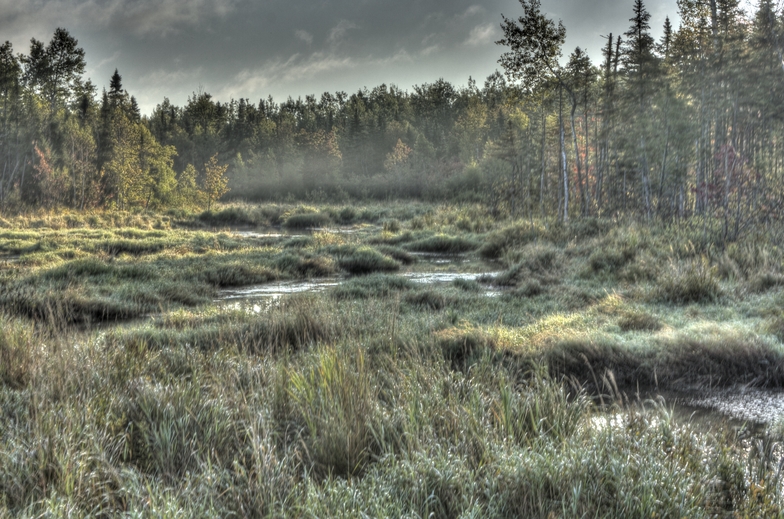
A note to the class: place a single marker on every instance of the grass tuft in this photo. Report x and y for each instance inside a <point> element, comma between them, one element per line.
<point>692,282</point>
<point>443,244</point>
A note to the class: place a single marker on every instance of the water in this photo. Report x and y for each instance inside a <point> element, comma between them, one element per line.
<point>269,293</point>
<point>279,289</point>
<point>758,406</point>
<point>441,259</point>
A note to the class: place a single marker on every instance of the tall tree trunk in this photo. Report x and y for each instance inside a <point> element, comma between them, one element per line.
<point>544,161</point>
<point>564,172</point>
<point>580,186</point>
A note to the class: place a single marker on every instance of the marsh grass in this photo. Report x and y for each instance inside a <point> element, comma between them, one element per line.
<point>17,350</point>
<point>694,281</point>
<point>442,244</point>
<point>364,260</point>
<point>379,397</point>
<point>639,321</point>
<point>306,221</point>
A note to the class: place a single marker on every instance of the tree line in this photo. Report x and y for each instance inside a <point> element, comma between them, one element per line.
<point>689,125</point>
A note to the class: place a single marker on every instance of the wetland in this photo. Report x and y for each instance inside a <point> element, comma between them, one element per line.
<point>404,364</point>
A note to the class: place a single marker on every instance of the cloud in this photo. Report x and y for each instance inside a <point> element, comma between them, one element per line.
<point>481,35</point>
<point>107,60</point>
<point>139,17</point>
<point>473,10</point>
<point>304,36</point>
<point>427,51</point>
<point>339,31</point>
<point>299,69</point>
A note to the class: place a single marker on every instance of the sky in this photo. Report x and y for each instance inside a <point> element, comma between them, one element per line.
<point>257,48</point>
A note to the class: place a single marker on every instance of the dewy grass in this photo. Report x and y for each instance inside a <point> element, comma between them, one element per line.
<point>442,244</point>
<point>378,397</point>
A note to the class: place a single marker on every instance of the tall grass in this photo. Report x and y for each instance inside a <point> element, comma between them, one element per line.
<point>379,397</point>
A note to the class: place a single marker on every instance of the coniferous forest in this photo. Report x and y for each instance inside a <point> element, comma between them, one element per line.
<point>557,292</point>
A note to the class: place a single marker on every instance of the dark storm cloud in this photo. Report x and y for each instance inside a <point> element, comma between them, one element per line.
<point>244,48</point>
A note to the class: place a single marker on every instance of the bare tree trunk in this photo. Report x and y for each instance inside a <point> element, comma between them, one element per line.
<point>564,173</point>
<point>577,160</point>
<point>544,162</point>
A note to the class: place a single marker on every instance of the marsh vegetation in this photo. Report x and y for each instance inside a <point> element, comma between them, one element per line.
<point>145,371</point>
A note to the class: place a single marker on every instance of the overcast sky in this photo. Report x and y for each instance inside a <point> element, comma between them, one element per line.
<point>252,49</point>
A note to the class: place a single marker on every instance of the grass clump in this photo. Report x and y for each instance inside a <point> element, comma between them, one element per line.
<point>336,400</point>
<point>639,321</point>
<point>765,281</point>
<point>692,282</point>
<point>429,299</point>
<point>230,216</point>
<point>17,345</point>
<point>467,285</point>
<point>443,244</point>
<point>374,285</point>
<point>306,221</point>
<point>397,253</point>
<point>610,260</point>
<point>497,243</point>
<point>365,260</point>
<point>463,346</point>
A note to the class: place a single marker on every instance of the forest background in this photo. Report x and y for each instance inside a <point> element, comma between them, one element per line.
<point>689,126</point>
